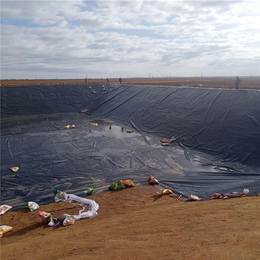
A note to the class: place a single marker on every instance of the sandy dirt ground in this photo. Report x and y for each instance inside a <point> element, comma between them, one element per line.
<point>136,224</point>
<point>219,82</point>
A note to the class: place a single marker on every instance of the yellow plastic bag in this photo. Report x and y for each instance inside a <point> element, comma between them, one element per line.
<point>4,229</point>
<point>127,183</point>
<point>69,126</point>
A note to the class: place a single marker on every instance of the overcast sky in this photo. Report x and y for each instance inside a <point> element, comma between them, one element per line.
<point>72,39</point>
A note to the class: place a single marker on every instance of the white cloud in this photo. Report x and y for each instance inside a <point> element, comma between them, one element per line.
<point>107,38</point>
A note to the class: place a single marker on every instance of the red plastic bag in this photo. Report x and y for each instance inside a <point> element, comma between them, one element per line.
<point>152,180</point>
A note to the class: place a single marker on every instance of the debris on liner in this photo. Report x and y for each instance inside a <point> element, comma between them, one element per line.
<point>69,126</point>
<point>83,111</point>
<point>32,206</point>
<point>44,215</point>
<point>4,229</point>
<point>167,142</point>
<point>179,197</point>
<point>229,195</point>
<point>164,192</point>
<point>152,180</point>
<point>4,208</point>
<point>117,185</point>
<point>14,169</point>
<point>129,131</point>
<point>194,198</point>
<point>67,219</point>
<point>89,191</point>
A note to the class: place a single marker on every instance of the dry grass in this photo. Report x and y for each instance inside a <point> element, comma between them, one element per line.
<point>218,82</point>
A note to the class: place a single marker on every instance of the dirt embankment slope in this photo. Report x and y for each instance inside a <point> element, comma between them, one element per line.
<point>135,224</point>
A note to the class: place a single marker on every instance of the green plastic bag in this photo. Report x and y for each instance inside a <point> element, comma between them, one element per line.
<point>89,191</point>
<point>116,185</point>
<point>113,186</point>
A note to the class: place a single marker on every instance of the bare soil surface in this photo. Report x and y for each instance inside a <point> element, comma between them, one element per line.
<point>218,82</point>
<point>136,224</point>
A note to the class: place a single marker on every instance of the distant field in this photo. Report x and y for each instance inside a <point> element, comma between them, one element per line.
<point>218,82</point>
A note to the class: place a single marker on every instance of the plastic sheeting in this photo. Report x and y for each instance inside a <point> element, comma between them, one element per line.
<point>92,206</point>
<point>217,147</point>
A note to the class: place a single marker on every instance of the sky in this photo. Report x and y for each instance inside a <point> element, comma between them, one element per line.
<point>99,39</point>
